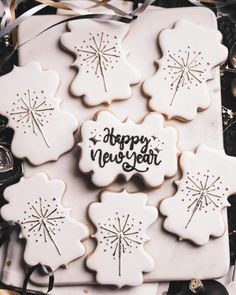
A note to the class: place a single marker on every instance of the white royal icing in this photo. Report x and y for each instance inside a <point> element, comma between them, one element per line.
<point>104,73</point>
<point>110,148</point>
<point>42,130</point>
<point>52,237</point>
<point>121,220</point>
<point>195,211</point>
<point>179,87</point>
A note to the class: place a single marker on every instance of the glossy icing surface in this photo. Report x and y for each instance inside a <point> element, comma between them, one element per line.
<point>53,238</point>
<point>179,88</point>
<point>110,148</point>
<point>195,211</point>
<point>35,114</point>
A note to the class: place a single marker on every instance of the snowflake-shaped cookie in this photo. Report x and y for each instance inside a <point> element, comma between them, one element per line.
<point>121,220</point>
<point>110,148</point>
<point>52,237</point>
<point>179,87</point>
<point>104,73</point>
<point>42,130</point>
<point>195,211</point>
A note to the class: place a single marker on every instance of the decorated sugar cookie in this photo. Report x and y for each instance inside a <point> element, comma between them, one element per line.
<point>110,148</point>
<point>52,237</point>
<point>121,220</point>
<point>195,211</point>
<point>179,87</point>
<point>42,130</point>
<point>104,74</point>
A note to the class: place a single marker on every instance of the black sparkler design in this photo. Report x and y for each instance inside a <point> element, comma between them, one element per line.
<point>43,221</point>
<point>99,55</point>
<point>186,69</point>
<point>95,139</point>
<point>32,113</point>
<point>206,193</point>
<point>120,237</point>
<point>157,143</point>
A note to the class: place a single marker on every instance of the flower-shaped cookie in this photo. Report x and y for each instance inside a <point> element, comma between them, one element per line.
<point>42,130</point>
<point>110,148</point>
<point>195,211</point>
<point>179,87</point>
<point>104,74</point>
<point>122,220</point>
<point>52,237</point>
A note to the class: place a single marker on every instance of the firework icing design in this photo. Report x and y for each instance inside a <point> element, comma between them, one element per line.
<point>35,114</point>
<point>99,56</point>
<point>110,147</point>
<point>195,211</point>
<point>184,69</point>
<point>203,195</point>
<point>120,236</point>
<point>45,223</point>
<point>31,113</point>
<point>103,71</point>
<point>121,220</point>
